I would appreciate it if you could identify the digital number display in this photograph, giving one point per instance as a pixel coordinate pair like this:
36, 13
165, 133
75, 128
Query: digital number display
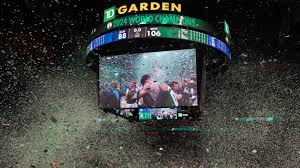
160, 32
123, 34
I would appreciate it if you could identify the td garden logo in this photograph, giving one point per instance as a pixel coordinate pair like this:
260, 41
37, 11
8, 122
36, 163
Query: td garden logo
110, 13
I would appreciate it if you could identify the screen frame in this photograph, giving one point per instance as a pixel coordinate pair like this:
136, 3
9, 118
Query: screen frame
203, 53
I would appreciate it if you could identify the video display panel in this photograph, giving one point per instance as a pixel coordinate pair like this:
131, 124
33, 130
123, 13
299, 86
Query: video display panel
146, 114
143, 80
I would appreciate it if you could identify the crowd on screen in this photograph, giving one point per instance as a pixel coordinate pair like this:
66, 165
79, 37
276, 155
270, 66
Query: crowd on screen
149, 93
164, 114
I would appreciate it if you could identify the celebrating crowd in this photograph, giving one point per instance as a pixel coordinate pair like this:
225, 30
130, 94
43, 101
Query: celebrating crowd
150, 93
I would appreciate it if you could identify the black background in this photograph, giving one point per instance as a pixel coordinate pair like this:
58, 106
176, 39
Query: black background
38, 40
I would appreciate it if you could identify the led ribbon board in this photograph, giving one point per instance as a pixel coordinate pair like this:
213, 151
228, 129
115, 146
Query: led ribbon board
160, 32
157, 18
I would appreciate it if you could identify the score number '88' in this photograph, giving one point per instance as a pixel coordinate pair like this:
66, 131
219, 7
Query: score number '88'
122, 35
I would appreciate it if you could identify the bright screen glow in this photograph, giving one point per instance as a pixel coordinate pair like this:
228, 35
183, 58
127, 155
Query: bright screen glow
155, 79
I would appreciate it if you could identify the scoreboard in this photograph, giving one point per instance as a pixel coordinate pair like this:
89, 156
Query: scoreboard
172, 26
160, 32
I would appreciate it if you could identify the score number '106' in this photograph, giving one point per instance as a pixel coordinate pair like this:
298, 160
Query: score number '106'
153, 32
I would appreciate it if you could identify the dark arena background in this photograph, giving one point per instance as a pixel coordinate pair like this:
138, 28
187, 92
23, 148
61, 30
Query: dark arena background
241, 58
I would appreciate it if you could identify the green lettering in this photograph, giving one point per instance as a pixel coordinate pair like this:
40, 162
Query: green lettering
158, 18
165, 20
173, 19
131, 20
150, 18
138, 19
143, 19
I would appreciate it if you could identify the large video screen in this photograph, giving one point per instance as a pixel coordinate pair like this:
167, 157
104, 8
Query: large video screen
154, 79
